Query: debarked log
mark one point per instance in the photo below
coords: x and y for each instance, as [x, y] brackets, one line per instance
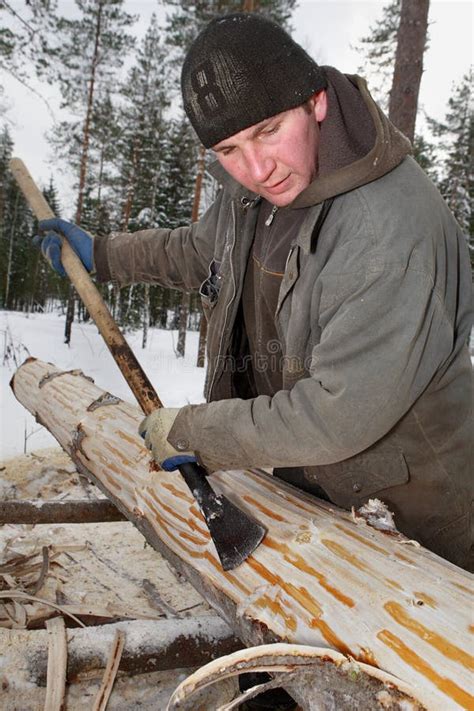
[319, 578]
[150, 645]
[63, 511]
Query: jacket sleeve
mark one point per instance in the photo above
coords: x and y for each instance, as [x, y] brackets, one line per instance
[177, 258]
[379, 349]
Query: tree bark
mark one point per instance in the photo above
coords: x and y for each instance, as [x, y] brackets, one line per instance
[10, 250]
[150, 645]
[146, 314]
[411, 44]
[19, 511]
[182, 324]
[321, 576]
[71, 305]
[84, 162]
[201, 359]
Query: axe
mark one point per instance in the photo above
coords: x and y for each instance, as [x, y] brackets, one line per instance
[235, 534]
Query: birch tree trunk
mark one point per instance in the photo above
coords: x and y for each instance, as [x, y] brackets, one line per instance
[321, 577]
[411, 42]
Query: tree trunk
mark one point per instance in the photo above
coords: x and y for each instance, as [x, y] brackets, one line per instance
[71, 303]
[194, 218]
[10, 250]
[182, 324]
[70, 308]
[201, 359]
[84, 163]
[150, 645]
[321, 577]
[411, 44]
[87, 122]
[146, 314]
[130, 192]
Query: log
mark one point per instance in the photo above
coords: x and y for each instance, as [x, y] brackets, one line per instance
[320, 578]
[150, 645]
[312, 675]
[64, 511]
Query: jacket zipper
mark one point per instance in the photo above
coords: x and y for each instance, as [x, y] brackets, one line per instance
[234, 230]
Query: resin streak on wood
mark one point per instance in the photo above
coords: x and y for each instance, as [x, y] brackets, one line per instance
[319, 578]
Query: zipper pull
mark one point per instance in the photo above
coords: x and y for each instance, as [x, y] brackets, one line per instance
[270, 217]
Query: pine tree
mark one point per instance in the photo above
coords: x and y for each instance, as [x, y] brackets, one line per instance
[27, 39]
[16, 223]
[456, 141]
[92, 49]
[146, 97]
[424, 152]
[187, 19]
[139, 157]
[6, 195]
[392, 55]
[378, 50]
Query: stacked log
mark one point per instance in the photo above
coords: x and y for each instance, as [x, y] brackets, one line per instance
[321, 577]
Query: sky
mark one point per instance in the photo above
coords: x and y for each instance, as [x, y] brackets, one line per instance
[328, 30]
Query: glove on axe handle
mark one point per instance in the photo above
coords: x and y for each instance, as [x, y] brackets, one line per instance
[90, 295]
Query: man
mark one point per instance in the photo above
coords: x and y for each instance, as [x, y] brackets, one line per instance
[336, 284]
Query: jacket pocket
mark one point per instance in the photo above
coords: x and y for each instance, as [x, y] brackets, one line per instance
[352, 481]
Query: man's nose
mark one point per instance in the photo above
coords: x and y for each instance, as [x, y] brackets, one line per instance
[259, 164]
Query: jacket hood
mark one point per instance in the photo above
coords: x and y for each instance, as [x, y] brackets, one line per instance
[358, 143]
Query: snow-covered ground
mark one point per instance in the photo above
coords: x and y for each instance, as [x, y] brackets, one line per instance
[177, 380]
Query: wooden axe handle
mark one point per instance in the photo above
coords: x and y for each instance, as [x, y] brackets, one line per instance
[90, 295]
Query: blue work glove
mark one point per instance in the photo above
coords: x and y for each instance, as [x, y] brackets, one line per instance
[155, 430]
[50, 244]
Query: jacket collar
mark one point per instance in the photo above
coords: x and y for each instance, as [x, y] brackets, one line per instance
[237, 191]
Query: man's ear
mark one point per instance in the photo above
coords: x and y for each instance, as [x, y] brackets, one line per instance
[320, 105]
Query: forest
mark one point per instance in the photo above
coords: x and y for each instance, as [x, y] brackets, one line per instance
[135, 160]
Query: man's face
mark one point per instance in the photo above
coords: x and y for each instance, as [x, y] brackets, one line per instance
[278, 157]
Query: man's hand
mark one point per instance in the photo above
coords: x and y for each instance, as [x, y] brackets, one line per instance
[50, 244]
[155, 430]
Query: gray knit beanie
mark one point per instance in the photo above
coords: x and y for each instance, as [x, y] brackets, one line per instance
[242, 69]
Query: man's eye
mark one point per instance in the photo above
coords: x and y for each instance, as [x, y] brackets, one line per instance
[271, 129]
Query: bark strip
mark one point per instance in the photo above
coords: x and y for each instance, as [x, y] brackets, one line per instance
[103, 695]
[65, 511]
[57, 662]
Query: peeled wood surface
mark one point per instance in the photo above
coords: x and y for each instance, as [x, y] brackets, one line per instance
[318, 578]
[57, 663]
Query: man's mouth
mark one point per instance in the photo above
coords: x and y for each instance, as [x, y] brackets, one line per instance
[277, 188]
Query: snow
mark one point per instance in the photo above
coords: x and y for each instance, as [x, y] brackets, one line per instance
[177, 380]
